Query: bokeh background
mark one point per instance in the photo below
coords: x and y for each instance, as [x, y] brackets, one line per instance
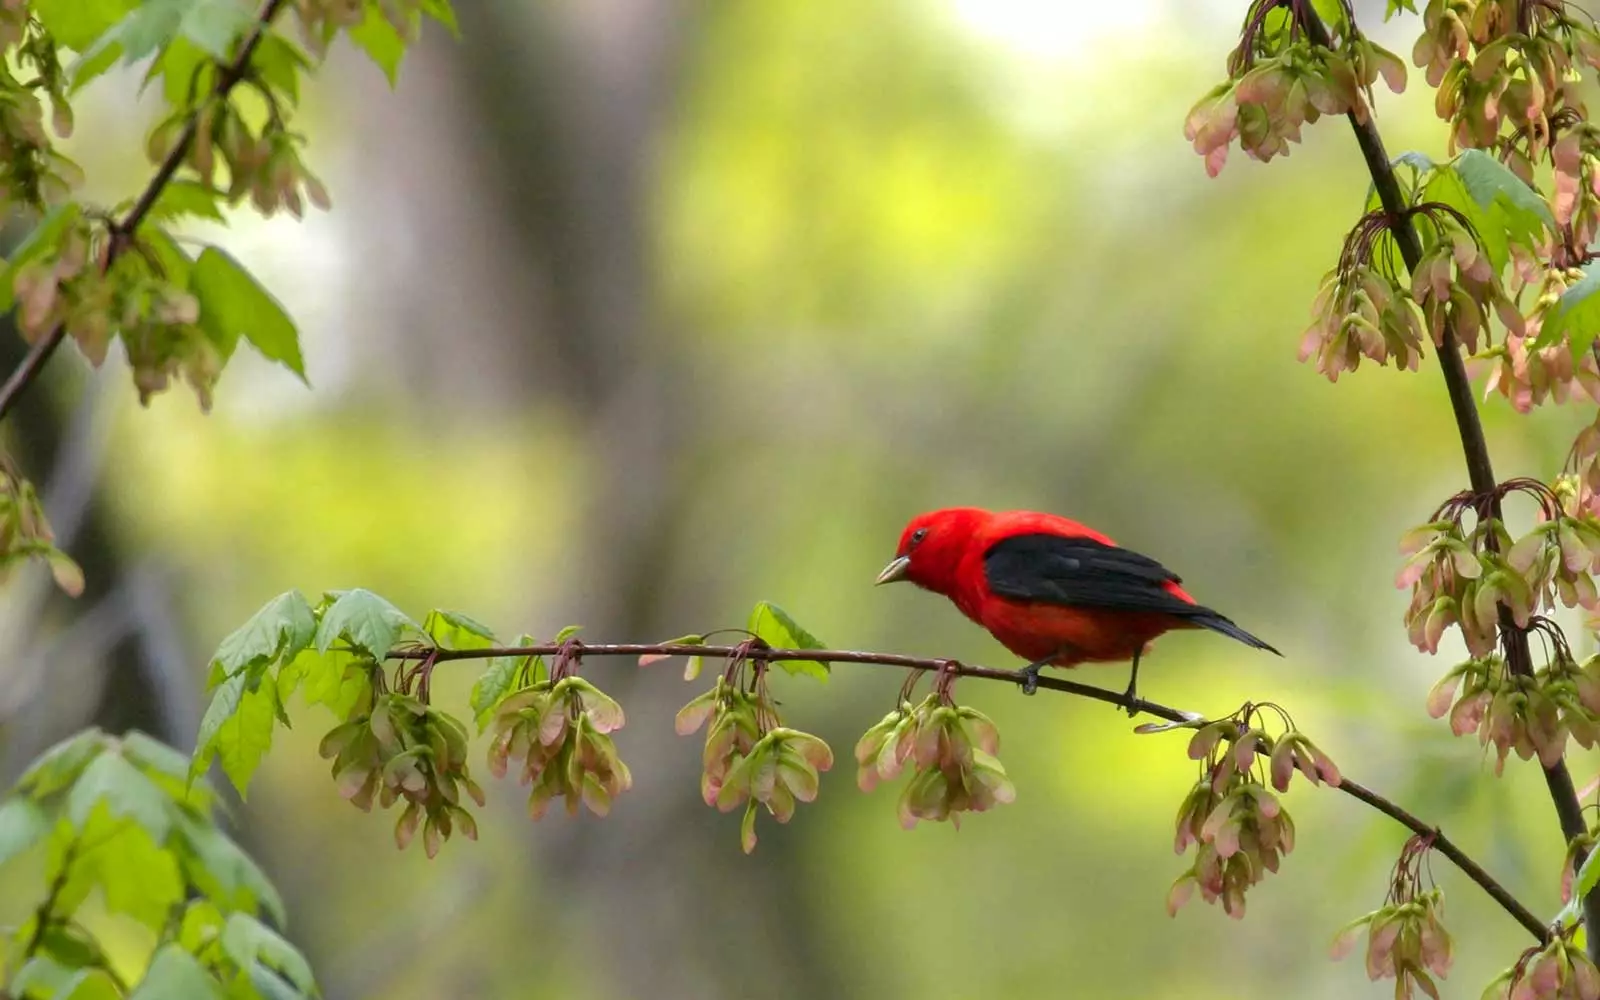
[633, 312]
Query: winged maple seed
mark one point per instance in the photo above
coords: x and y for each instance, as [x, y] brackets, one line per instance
[558, 736]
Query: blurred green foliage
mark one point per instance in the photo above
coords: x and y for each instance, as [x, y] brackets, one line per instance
[904, 269]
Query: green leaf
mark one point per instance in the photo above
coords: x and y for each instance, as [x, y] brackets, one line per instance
[246, 736]
[151, 755]
[369, 622]
[279, 63]
[1491, 182]
[23, 823]
[185, 198]
[135, 875]
[1446, 186]
[42, 240]
[499, 678]
[773, 625]
[60, 766]
[247, 940]
[441, 11]
[224, 703]
[124, 791]
[339, 681]
[454, 630]
[279, 631]
[174, 974]
[44, 977]
[76, 24]
[186, 74]
[215, 25]
[383, 45]
[1576, 316]
[232, 305]
[220, 869]
[95, 62]
[1587, 878]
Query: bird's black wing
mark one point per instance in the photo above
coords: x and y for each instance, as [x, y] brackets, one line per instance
[1080, 572]
[1084, 573]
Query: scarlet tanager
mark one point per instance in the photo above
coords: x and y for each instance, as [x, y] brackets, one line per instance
[1051, 590]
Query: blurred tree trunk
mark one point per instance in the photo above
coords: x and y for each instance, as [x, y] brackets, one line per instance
[546, 156]
[92, 660]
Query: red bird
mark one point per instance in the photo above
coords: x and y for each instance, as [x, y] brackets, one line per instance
[1051, 590]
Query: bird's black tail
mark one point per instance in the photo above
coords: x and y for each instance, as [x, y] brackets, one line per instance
[1206, 618]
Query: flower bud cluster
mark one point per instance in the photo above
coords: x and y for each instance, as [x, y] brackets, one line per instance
[556, 737]
[749, 758]
[398, 747]
[951, 751]
[1278, 82]
[1406, 942]
[1238, 827]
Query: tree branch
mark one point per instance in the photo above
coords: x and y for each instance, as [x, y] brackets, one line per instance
[1361, 793]
[1480, 470]
[122, 230]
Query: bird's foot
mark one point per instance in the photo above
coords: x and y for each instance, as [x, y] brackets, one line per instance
[1030, 677]
[1130, 699]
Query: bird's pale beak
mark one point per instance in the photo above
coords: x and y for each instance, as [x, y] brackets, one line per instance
[894, 571]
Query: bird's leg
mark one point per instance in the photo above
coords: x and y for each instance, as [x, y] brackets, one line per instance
[1133, 684]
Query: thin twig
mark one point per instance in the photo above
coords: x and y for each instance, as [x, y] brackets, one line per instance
[1474, 445]
[122, 230]
[1361, 793]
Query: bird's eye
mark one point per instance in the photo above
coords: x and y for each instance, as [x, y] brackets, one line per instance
[918, 535]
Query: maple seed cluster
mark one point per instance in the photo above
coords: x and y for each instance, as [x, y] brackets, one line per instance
[1406, 942]
[134, 298]
[25, 534]
[1558, 970]
[1238, 826]
[1363, 311]
[951, 750]
[1278, 82]
[1504, 64]
[1463, 577]
[321, 20]
[399, 747]
[558, 736]
[32, 172]
[749, 757]
[266, 166]
[1458, 576]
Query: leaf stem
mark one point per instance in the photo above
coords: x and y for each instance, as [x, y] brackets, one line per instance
[1474, 445]
[122, 231]
[1359, 792]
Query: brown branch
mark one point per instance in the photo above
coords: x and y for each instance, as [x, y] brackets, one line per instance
[122, 230]
[1361, 793]
[1480, 470]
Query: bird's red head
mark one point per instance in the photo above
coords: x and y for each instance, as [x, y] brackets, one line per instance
[932, 547]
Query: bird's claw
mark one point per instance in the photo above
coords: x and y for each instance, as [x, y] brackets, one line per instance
[1130, 700]
[1030, 678]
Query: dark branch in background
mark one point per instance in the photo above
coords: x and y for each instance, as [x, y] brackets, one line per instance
[1135, 705]
[122, 230]
[1480, 469]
